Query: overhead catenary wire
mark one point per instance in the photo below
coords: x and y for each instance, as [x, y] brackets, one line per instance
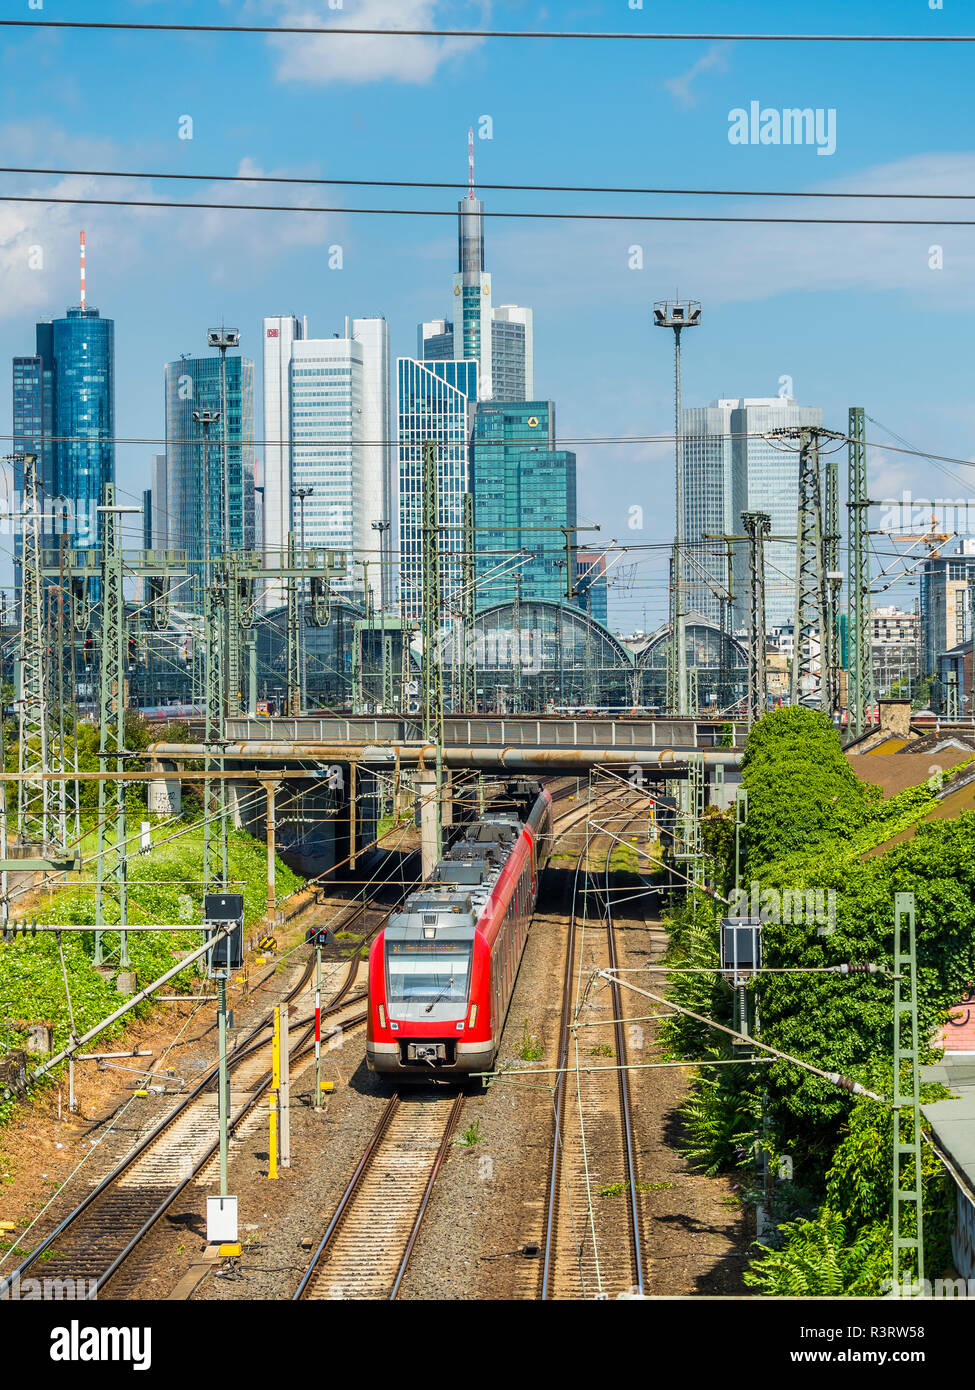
[521, 215]
[349, 31]
[293, 180]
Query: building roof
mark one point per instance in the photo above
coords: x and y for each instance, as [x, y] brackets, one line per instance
[953, 1121]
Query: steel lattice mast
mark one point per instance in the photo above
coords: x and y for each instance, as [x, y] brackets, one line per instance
[834, 581]
[214, 599]
[758, 526]
[32, 803]
[861, 654]
[432, 689]
[111, 722]
[294, 634]
[807, 684]
[468, 672]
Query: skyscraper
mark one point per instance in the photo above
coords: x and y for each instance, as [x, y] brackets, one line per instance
[707, 497]
[64, 412]
[524, 490]
[280, 335]
[730, 468]
[327, 427]
[193, 384]
[160, 503]
[435, 400]
[765, 477]
[513, 353]
[500, 340]
[84, 416]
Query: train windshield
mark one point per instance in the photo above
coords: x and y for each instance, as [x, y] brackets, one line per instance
[428, 971]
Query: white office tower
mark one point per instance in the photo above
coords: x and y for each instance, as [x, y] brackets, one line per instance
[328, 428]
[374, 500]
[513, 353]
[160, 505]
[280, 335]
[326, 446]
[765, 478]
[707, 501]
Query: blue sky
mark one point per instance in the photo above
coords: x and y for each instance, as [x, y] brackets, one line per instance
[854, 315]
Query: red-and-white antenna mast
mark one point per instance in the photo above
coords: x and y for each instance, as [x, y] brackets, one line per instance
[82, 272]
[470, 158]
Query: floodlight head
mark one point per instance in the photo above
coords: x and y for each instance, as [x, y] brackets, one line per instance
[223, 337]
[677, 313]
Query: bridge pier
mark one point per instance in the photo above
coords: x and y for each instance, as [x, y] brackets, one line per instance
[426, 797]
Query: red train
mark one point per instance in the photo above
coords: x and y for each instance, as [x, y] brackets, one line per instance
[442, 973]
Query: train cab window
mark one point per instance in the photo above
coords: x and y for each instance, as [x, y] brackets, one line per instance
[428, 972]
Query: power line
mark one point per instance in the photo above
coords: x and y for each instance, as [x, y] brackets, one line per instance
[482, 187]
[349, 32]
[527, 439]
[522, 216]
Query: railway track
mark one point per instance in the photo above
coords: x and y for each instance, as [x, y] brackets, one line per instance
[94, 1243]
[366, 1248]
[592, 1239]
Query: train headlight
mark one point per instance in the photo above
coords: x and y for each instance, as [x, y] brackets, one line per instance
[382, 1016]
[473, 1018]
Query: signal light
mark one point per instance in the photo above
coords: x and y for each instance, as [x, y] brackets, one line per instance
[317, 936]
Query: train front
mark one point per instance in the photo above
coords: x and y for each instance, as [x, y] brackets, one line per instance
[429, 1010]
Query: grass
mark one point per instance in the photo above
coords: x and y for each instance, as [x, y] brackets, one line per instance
[601, 1050]
[616, 1189]
[30, 969]
[531, 1049]
[472, 1135]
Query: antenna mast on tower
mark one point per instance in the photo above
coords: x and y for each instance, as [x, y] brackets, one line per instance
[82, 272]
[470, 157]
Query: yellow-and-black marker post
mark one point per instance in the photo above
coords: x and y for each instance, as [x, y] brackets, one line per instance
[272, 1148]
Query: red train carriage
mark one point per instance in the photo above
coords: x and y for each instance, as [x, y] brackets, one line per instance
[442, 973]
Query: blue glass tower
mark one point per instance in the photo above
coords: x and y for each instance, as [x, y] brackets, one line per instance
[193, 384]
[84, 416]
[524, 490]
[64, 412]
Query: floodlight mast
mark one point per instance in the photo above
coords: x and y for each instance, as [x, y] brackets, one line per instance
[677, 315]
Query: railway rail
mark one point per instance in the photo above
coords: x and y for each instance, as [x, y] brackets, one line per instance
[367, 1245]
[592, 1244]
[95, 1241]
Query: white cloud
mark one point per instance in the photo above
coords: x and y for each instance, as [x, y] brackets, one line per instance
[680, 85]
[39, 241]
[351, 58]
[727, 263]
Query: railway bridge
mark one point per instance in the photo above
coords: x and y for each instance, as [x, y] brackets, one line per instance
[314, 785]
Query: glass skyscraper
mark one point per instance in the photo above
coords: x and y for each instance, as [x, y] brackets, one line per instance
[193, 384]
[64, 412]
[707, 490]
[435, 400]
[500, 340]
[84, 415]
[524, 490]
[765, 478]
